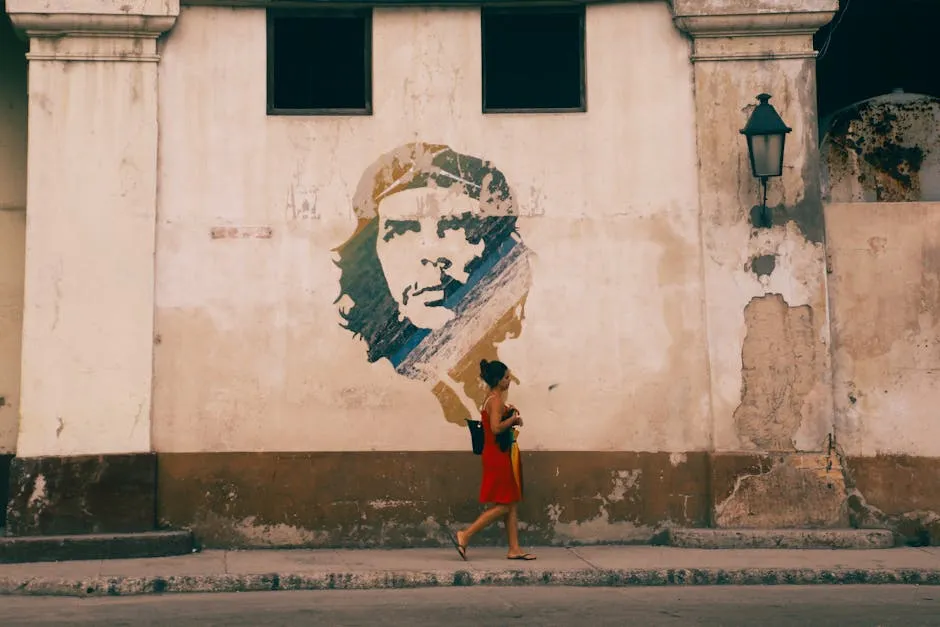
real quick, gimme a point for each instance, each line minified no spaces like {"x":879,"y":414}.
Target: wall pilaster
{"x":766,"y":306}
{"x":88,"y":315}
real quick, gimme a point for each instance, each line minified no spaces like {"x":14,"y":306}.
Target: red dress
{"x":502,"y":471}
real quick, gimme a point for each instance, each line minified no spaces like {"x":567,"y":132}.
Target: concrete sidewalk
{"x":233,"y":571}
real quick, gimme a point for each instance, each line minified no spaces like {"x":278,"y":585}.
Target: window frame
{"x":581,"y":10}
{"x":273,"y":13}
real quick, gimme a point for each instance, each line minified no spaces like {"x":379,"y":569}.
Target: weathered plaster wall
{"x":885,"y":290}
{"x":12,"y":225}
{"x":609,"y":348}
{"x":885,"y":295}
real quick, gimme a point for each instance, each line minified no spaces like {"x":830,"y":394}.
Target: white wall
{"x":88,"y":298}
{"x":251,"y":355}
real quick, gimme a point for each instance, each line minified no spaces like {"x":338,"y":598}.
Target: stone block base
{"x":95,"y":546}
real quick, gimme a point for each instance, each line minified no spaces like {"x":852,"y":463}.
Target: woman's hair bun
{"x":492,"y":372}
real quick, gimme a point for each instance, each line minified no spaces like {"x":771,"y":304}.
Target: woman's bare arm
{"x":494,"y":409}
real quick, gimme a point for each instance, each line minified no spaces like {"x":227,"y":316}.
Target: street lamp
{"x":766,"y":134}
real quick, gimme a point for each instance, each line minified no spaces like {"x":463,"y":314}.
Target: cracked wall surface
{"x":779,"y":491}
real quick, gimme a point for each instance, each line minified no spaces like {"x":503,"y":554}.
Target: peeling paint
{"x":677,"y":458}
{"x":38,"y":495}
{"x":598,"y":529}
{"x":778,"y":372}
{"x":387,"y":504}
{"x":624,"y":481}
{"x":241,"y":232}
{"x":250,"y":532}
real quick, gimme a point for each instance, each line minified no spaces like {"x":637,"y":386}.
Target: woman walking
{"x":502,"y":469}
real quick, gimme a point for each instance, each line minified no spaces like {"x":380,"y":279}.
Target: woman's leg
{"x":512,"y":532}
{"x":512,"y":529}
{"x":494,"y":513}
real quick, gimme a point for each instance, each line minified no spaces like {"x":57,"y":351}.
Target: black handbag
{"x":476,"y":436}
{"x":504,"y":439}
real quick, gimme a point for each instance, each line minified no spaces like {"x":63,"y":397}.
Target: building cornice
{"x":92,"y":37}
{"x":62,"y":24}
{"x":753,"y":36}
{"x":766,"y":24}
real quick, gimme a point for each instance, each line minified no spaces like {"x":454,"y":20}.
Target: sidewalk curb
{"x":383,"y":580}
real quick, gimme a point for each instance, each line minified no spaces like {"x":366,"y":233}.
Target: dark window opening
{"x":533,"y":59}
{"x":873,"y":47}
{"x":319,"y":62}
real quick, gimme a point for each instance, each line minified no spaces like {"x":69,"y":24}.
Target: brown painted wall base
{"x":896,"y":484}
{"x":86,"y":494}
{"x":407,"y":499}
{"x":897,"y":492}
{"x":410,"y":499}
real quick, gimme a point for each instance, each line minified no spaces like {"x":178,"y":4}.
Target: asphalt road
{"x":879,"y":606}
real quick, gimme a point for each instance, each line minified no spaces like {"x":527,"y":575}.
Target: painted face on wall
{"x":435,"y":274}
{"x":425,"y":251}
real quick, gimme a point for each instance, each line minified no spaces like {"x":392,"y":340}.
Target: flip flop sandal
{"x":528,"y":557}
{"x":461,"y":550}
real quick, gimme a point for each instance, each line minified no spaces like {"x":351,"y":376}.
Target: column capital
{"x":93,"y":30}
{"x":752,"y":30}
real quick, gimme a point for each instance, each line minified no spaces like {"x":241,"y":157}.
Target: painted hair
{"x":492,"y":372}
